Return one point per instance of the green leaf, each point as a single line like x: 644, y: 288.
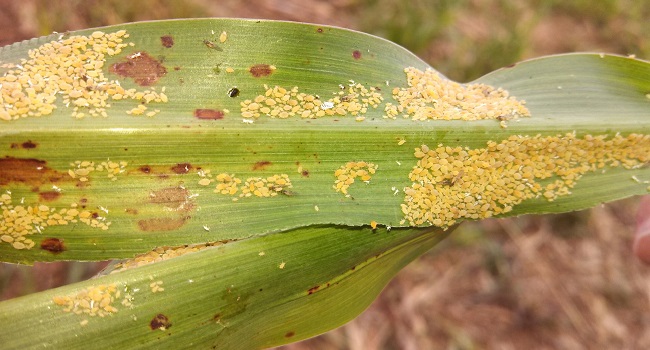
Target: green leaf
x: 156, y: 199
x: 251, y: 294
x: 84, y: 187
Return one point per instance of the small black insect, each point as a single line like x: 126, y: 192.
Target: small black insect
x: 233, y: 92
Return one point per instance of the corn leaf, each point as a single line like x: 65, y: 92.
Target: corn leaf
x: 163, y: 141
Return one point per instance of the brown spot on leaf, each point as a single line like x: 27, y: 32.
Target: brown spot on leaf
x: 313, y: 290
x: 53, y: 245
x: 182, y: 168
x: 356, y: 54
x: 161, y: 224
x: 131, y: 211
x: 305, y: 173
x: 167, y: 41
x: 209, y: 114
x: 29, y: 145
x: 170, y: 196
x: 145, y: 169
x: 161, y: 322
x: 290, y: 334
x: 261, y: 70
x: 319, y: 30
x: 261, y: 165
x: 49, y: 196
x: 28, y: 171
x: 142, y: 68
x: 24, y: 145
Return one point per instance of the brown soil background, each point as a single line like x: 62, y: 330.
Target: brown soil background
x: 534, y: 282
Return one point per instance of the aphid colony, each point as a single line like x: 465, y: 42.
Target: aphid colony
x: 346, y: 174
x: 452, y: 183
x: 430, y: 96
x: 18, y: 222
x: 91, y: 301
x: 72, y: 68
x: 278, y: 102
x: 81, y: 169
x: 228, y: 184
x: 159, y: 254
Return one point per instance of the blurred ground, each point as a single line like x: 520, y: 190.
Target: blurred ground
x: 554, y: 282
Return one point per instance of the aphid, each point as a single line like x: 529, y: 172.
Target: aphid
x: 373, y: 224
x: 233, y: 92
x: 223, y: 37
x: 211, y: 45
x: 453, y: 180
x: 282, y: 264
x: 347, y: 98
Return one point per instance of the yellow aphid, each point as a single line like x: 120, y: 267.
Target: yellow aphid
x: 223, y: 37
x: 72, y: 69
x: 431, y: 96
x: 161, y: 253
x: 91, y: 301
x: 269, y: 186
x: 373, y: 224
x: 18, y: 222
x: 156, y: 286
x: 282, y: 264
x: 346, y: 174
x: 401, y: 142
x: 279, y: 102
x: 454, y: 183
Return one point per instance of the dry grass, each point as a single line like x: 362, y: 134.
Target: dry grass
x: 554, y: 282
